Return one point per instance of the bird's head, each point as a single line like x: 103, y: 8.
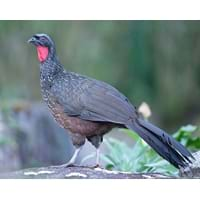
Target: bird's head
x: 44, y: 45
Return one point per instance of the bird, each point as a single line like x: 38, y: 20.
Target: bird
x: 90, y: 108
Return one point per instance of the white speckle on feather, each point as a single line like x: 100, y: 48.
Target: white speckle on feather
x: 37, y: 173
x: 76, y: 174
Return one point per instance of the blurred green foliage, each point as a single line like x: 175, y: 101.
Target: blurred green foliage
x: 184, y: 135
x: 141, y: 157
x: 153, y: 61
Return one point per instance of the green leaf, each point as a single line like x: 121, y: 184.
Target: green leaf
x: 131, y: 134
x: 189, y: 128
x: 141, y: 157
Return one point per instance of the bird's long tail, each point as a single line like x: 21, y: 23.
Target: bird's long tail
x: 162, y: 143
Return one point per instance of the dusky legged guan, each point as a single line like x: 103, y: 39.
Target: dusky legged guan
x: 90, y: 108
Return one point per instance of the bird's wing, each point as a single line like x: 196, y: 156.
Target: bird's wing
x: 91, y: 99
x: 102, y: 102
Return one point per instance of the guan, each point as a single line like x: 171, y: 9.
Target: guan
x: 90, y: 108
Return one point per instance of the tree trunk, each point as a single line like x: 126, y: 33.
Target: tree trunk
x: 76, y: 172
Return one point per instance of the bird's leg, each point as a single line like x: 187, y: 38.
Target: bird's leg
x: 96, y: 141
x: 73, y: 158
x: 78, y: 141
x: 97, y: 157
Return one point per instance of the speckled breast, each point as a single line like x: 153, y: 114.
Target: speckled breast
x: 75, y: 124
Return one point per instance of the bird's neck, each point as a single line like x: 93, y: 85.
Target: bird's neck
x: 49, y: 69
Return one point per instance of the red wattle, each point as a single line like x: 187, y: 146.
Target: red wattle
x: 42, y: 53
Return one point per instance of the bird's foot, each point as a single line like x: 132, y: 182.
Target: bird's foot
x: 68, y: 165
x: 71, y: 162
x: 65, y: 165
x: 97, y: 166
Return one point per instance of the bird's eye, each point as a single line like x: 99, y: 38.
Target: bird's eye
x: 42, y: 38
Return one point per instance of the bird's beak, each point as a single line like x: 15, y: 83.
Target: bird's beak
x: 32, y: 40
